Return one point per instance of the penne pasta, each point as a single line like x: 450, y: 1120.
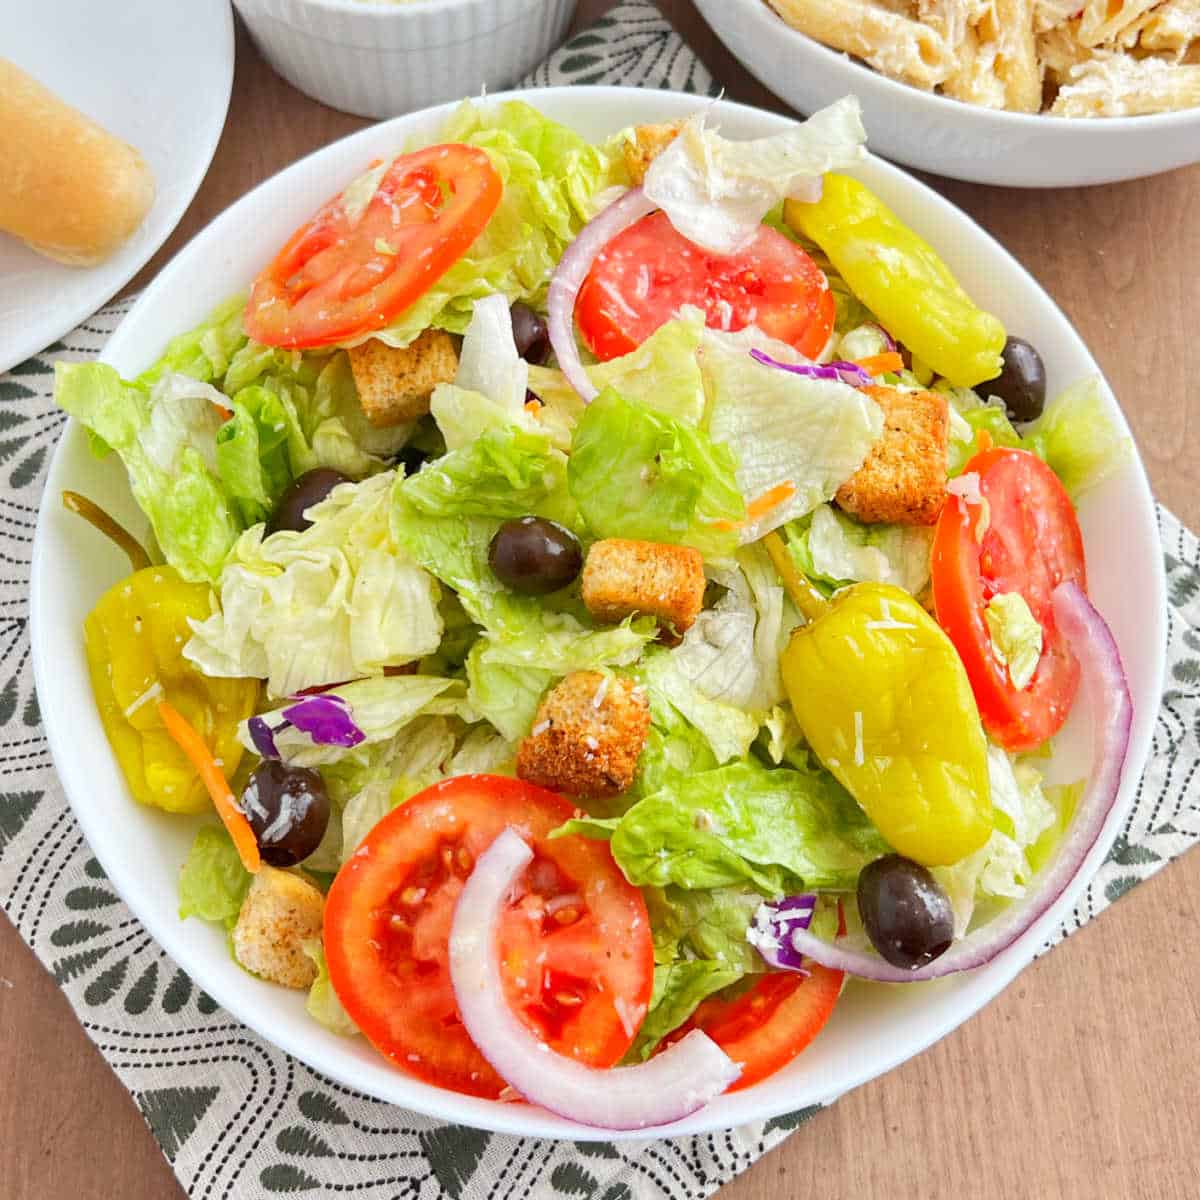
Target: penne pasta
x: 1103, y: 21
x: 976, y: 81
x: 1053, y: 14
x: 1059, y: 50
x: 893, y: 44
x: 950, y: 18
x: 1173, y: 26
x: 1081, y: 58
x: 1016, y: 54
x: 1123, y: 86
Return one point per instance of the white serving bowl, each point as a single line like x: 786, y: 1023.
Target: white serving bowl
x: 946, y: 136
x: 873, y: 1028
x: 380, y: 59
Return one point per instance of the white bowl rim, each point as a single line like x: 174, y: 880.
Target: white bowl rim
x: 521, y: 1119
x: 934, y: 104
x: 383, y: 10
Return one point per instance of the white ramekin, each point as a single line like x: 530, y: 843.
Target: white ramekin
x: 382, y: 59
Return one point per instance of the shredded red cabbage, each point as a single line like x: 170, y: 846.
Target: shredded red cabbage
x: 774, y: 923
x: 326, y: 719
x: 263, y: 736
x: 843, y: 372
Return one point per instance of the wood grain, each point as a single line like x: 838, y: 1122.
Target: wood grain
x: 1079, y: 1081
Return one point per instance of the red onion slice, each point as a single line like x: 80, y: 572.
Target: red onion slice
x: 1106, y: 692
x: 681, y: 1079
x: 842, y: 372
x: 570, y: 273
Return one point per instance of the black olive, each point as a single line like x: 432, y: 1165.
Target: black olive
x: 1021, y: 383
x: 905, y: 911
x: 300, y: 495
x: 288, y: 809
x: 412, y: 459
x: 530, y: 333
x: 534, y: 556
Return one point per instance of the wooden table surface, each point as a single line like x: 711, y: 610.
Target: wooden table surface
x: 1080, y: 1079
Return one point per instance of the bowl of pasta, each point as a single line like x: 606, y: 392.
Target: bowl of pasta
x: 1020, y: 93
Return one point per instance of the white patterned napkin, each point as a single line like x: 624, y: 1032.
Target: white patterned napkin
x: 239, y: 1119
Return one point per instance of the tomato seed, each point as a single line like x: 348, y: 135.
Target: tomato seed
x: 567, y: 999
x: 447, y: 858
x: 566, y: 916
x: 397, y: 924
x: 412, y: 896
x: 464, y: 858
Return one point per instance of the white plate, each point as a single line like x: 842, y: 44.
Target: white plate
x: 873, y: 1028
x: 155, y: 75
x: 946, y: 136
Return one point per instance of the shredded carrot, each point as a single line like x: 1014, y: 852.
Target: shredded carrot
x: 201, y: 757
x: 533, y: 407
x: 983, y: 439
x: 771, y: 498
x: 881, y: 364
x: 226, y: 413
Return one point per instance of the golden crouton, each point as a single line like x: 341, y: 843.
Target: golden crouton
x: 281, y: 911
x: 587, y: 736
x: 394, y: 386
x: 648, y: 142
x: 903, y: 481
x: 621, y: 578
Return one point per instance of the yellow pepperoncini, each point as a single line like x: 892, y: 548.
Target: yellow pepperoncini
x: 902, y: 280
x: 884, y: 701
x: 134, y: 639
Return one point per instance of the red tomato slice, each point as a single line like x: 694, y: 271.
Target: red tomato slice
x: 1031, y: 544
x: 765, y: 1027
x: 642, y: 278
x: 577, y: 954
x: 342, y: 274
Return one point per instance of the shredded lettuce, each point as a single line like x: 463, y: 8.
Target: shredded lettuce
x: 508, y: 675
x: 337, y: 601
x: 679, y: 989
x: 416, y: 756
x: 728, y: 730
x: 716, y: 192
x: 704, y: 924
x: 489, y: 362
x: 805, y: 436
x: 732, y: 652
x: 1005, y: 865
x: 834, y: 549
x: 213, y: 883
x: 202, y: 479
x: 638, y: 473
x: 323, y: 1004
x: 505, y: 472
x: 663, y: 373
x: 1078, y: 438
x: 166, y: 438
x: 1075, y: 435
x: 1016, y: 636
x: 446, y: 515
x: 203, y: 353
x: 779, y: 831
